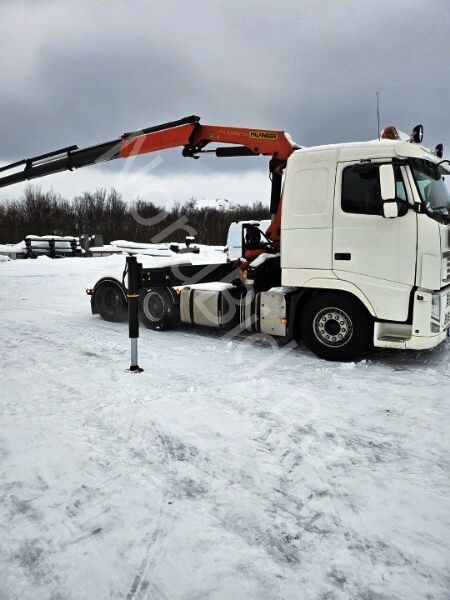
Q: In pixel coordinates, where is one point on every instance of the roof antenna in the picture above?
(378, 114)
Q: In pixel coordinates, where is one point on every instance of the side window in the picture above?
(361, 190)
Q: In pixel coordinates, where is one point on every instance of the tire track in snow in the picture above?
(155, 544)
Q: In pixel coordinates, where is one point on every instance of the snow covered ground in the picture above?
(227, 470)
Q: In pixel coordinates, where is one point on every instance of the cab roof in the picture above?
(371, 149)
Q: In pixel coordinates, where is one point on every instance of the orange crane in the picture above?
(187, 133)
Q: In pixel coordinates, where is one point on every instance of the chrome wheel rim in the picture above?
(153, 306)
(333, 327)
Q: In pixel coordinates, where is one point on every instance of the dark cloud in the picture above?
(86, 72)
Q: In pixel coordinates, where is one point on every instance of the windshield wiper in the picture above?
(443, 213)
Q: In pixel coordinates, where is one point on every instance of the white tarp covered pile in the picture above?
(40, 244)
(164, 249)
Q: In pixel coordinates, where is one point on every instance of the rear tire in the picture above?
(158, 310)
(335, 327)
(110, 303)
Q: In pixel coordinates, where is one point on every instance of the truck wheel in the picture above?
(158, 309)
(335, 327)
(110, 302)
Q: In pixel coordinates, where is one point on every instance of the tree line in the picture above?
(106, 212)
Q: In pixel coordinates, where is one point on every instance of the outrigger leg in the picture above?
(134, 284)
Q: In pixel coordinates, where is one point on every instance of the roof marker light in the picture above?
(389, 133)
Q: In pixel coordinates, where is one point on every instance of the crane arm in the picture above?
(168, 135)
(187, 133)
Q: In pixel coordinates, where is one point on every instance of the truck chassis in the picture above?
(335, 326)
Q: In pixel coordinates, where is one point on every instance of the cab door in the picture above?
(364, 241)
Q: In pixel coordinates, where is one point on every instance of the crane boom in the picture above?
(187, 133)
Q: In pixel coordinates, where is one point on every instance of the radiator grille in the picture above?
(447, 321)
(447, 314)
(446, 267)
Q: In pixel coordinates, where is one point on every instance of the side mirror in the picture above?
(390, 210)
(387, 182)
(417, 134)
(439, 150)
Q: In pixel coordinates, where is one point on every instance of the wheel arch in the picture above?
(337, 285)
(170, 290)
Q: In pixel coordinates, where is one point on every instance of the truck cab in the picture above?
(391, 254)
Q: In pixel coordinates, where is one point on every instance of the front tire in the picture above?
(335, 327)
(158, 310)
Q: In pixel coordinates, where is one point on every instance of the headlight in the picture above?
(436, 308)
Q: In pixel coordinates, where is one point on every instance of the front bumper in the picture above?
(425, 343)
(430, 327)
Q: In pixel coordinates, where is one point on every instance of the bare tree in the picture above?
(47, 213)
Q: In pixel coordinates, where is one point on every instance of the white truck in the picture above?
(357, 254)
(364, 258)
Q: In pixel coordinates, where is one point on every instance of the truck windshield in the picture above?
(432, 188)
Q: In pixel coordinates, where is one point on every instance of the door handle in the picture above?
(342, 256)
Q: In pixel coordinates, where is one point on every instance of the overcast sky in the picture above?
(82, 72)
